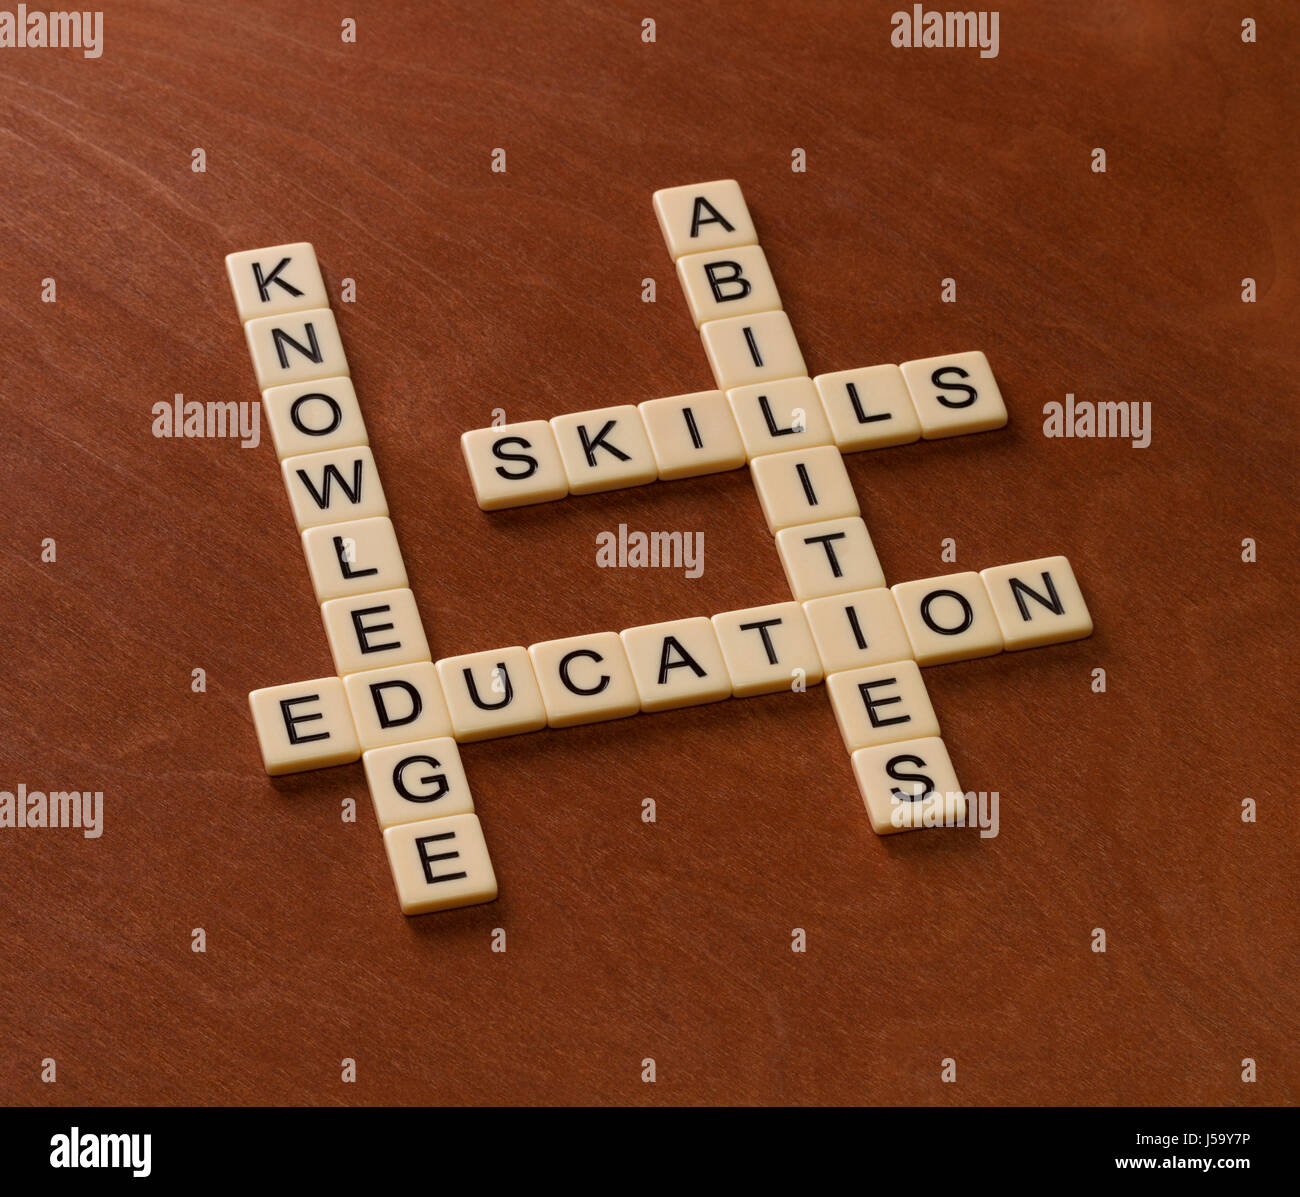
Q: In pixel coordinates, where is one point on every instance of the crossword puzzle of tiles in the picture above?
(403, 714)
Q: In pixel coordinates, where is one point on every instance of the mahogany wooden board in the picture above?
(522, 291)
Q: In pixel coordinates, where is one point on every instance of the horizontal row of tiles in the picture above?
(382, 657)
(805, 486)
(679, 436)
(437, 862)
(684, 436)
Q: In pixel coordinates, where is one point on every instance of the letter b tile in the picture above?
(731, 282)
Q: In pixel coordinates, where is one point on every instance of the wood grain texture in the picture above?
(522, 291)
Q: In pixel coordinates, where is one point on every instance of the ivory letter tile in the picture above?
(369, 631)
(948, 618)
(868, 408)
(692, 434)
(954, 394)
(704, 216)
(604, 449)
(439, 864)
(304, 725)
(856, 629)
(804, 487)
(416, 781)
(767, 648)
(676, 664)
(1037, 602)
(909, 785)
(295, 347)
(727, 282)
(749, 349)
(397, 705)
(356, 557)
(334, 487)
(830, 557)
(514, 465)
(584, 679)
(881, 704)
(313, 417)
(491, 694)
(777, 417)
(275, 280)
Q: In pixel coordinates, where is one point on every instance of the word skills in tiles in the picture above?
(404, 714)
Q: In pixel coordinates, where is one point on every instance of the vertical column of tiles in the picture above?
(793, 432)
(392, 711)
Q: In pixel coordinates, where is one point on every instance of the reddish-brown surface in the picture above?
(523, 291)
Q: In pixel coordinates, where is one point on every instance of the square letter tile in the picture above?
(275, 280)
(353, 558)
(857, 629)
(954, 395)
(420, 780)
(676, 664)
(881, 704)
(304, 725)
(312, 417)
(776, 417)
(948, 618)
(766, 648)
(748, 349)
(692, 434)
(1037, 602)
(584, 679)
(333, 488)
(397, 705)
(295, 347)
(604, 449)
(439, 864)
(491, 694)
(514, 465)
(803, 487)
(832, 557)
(909, 785)
(868, 408)
(728, 282)
(704, 216)
(370, 631)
